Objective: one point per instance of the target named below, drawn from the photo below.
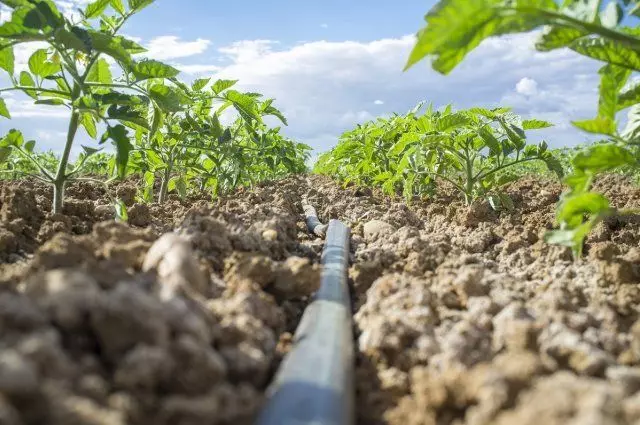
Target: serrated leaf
(222, 85)
(608, 51)
(456, 27)
(629, 96)
(96, 8)
(100, 72)
(167, 98)
(150, 68)
(200, 83)
(88, 121)
(556, 37)
(118, 6)
(138, 5)
(3, 109)
(7, 59)
(612, 79)
(631, 132)
(110, 45)
(534, 124)
(600, 158)
(574, 207)
(41, 66)
(597, 125)
(77, 39)
(245, 105)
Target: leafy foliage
(159, 126)
(592, 28)
(471, 149)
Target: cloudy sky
(331, 64)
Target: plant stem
(164, 186)
(61, 176)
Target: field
(460, 313)
(492, 280)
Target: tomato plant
(470, 149)
(593, 28)
(73, 72)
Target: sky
(333, 64)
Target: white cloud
(171, 47)
(378, 102)
(326, 87)
(198, 69)
(527, 86)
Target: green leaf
(150, 68)
(200, 83)
(121, 211)
(574, 207)
(631, 132)
(76, 39)
(222, 85)
(612, 79)
(88, 121)
(50, 102)
(96, 8)
(127, 114)
(30, 145)
(7, 60)
(608, 51)
(117, 98)
(534, 124)
(110, 45)
(13, 138)
(88, 151)
(245, 105)
(41, 66)
(100, 72)
(120, 138)
(455, 27)
(118, 6)
(3, 109)
(43, 16)
(27, 80)
(138, 5)
(5, 153)
(599, 158)
(556, 37)
(452, 121)
(597, 125)
(629, 96)
(168, 98)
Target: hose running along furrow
(314, 384)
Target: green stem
(164, 186)
(38, 89)
(61, 176)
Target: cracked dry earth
(462, 315)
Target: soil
(462, 315)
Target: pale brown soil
(462, 315)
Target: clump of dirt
(108, 323)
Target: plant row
(160, 127)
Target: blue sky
(333, 64)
